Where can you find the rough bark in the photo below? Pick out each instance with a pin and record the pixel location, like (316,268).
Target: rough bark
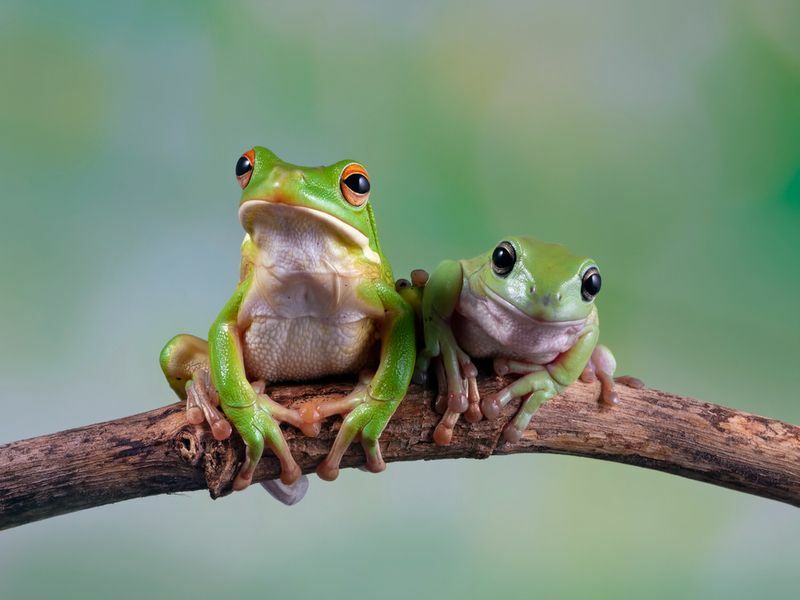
(157,452)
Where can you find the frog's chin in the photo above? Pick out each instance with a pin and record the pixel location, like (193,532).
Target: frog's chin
(254,213)
(570,324)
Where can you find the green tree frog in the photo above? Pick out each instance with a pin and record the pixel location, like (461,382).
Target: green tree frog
(527,304)
(316,298)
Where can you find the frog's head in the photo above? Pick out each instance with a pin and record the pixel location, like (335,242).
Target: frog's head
(545,281)
(336,195)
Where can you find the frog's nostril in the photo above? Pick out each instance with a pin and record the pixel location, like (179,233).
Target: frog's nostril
(558,297)
(532,290)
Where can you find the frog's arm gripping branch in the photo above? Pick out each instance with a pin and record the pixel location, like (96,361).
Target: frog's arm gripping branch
(157,452)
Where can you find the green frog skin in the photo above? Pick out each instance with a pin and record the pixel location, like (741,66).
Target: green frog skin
(527,304)
(316,298)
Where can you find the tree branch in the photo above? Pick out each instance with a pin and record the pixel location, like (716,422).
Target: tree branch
(157,452)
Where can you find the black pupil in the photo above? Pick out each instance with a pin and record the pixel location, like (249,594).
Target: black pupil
(358,183)
(592,283)
(503,259)
(243,166)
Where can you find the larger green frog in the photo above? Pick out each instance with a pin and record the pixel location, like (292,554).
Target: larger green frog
(316,297)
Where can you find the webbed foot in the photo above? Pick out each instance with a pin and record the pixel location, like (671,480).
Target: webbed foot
(184,361)
(202,404)
(259,424)
(443,434)
(366,417)
(601,367)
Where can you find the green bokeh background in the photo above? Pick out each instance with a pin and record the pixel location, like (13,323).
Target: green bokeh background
(661,138)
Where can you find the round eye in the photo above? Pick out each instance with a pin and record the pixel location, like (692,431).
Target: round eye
(354,184)
(244,168)
(503,258)
(590,286)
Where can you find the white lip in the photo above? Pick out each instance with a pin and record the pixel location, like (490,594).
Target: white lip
(345,229)
(497,298)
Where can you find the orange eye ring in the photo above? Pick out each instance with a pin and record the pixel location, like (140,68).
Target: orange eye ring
(244,167)
(354,184)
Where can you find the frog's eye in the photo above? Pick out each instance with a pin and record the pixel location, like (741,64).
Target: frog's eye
(503,258)
(354,184)
(591,283)
(244,168)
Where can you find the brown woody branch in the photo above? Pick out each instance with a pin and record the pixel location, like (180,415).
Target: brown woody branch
(157,452)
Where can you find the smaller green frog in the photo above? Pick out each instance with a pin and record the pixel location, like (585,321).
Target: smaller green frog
(527,304)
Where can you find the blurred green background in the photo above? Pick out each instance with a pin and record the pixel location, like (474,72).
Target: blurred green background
(662,139)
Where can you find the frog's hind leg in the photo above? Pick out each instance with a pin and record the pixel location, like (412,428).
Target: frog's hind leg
(601,367)
(184,361)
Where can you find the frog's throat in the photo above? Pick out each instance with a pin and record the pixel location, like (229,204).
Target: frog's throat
(251,208)
(485,289)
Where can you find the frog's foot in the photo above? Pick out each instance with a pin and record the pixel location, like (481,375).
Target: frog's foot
(201,406)
(494,403)
(283,493)
(365,416)
(258,424)
(534,389)
(184,361)
(459,377)
(601,367)
(443,434)
(287,494)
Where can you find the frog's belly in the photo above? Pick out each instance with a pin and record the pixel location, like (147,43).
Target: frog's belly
(538,345)
(280,349)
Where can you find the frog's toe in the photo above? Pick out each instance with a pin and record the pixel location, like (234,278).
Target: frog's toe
(194,414)
(372,451)
(310,417)
(511,433)
(443,434)
(457,402)
(202,408)
(244,477)
(469,370)
(631,382)
(490,406)
(328,470)
(501,366)
(588,375)
(473,414)
(221,430)
(608,392)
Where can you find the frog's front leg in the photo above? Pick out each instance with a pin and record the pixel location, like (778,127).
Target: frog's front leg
(539,386)
(252,414)
(458,385)
(184,361)
(372,405)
